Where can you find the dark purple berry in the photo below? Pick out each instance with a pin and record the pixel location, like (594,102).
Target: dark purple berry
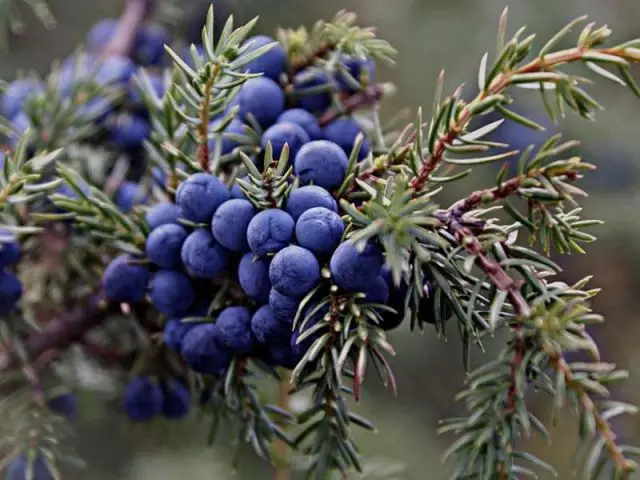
(306,120)
(230,222)
(378,292)
(129,195)
(294,271)
(129,130)
(114,70)
(263,99)
(10,291)
(202,256)
(174,332)
(319,230)
(356,271)
(171,292)
(229,142)
(309,81)
(19,467)
(322,163)
(162,214)
(343,132)
(270,231)
(18,94)
(9,248)
(271,63)
(200,195)
(177,400)
(282,355)
(164,244)
(143,399)
(65,404)
(305,198)
(234,330)
(124,282)
(284,133)
(284,308)
(363,71)
(253,275)
(268,329)
(202,350)
(149,45)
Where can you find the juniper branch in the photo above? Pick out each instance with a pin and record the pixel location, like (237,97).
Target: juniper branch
(623,465)
(60,333)
(508,188)
(491,94)
(500,278)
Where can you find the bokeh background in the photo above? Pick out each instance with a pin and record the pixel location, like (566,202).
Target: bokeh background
(430,35)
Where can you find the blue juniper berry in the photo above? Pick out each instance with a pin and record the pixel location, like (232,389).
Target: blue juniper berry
(322,163)
(356,271)
(202,256)
(302,199)
(171,292)
(294,271)
(253,276)
(124,281)
(270,231)
(234,330)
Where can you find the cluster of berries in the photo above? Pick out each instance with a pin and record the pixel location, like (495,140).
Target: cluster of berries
(275,257)
(214,234)
(126,127)
(288,115)
(118,109)
(145,399)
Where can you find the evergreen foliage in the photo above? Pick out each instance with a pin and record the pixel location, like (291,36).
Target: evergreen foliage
(249,218)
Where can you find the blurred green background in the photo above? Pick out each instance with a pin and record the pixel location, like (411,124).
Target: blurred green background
(430,35)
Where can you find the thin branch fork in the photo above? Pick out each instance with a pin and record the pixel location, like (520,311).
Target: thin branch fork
(500,83)
(368,96)
(501,279)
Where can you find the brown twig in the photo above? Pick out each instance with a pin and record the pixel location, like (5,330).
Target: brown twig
(366,97)
(505,189)
(108,355)
(501,279)
(60,333)
(202,150)
(500,83)
(304,62)
(124,37)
